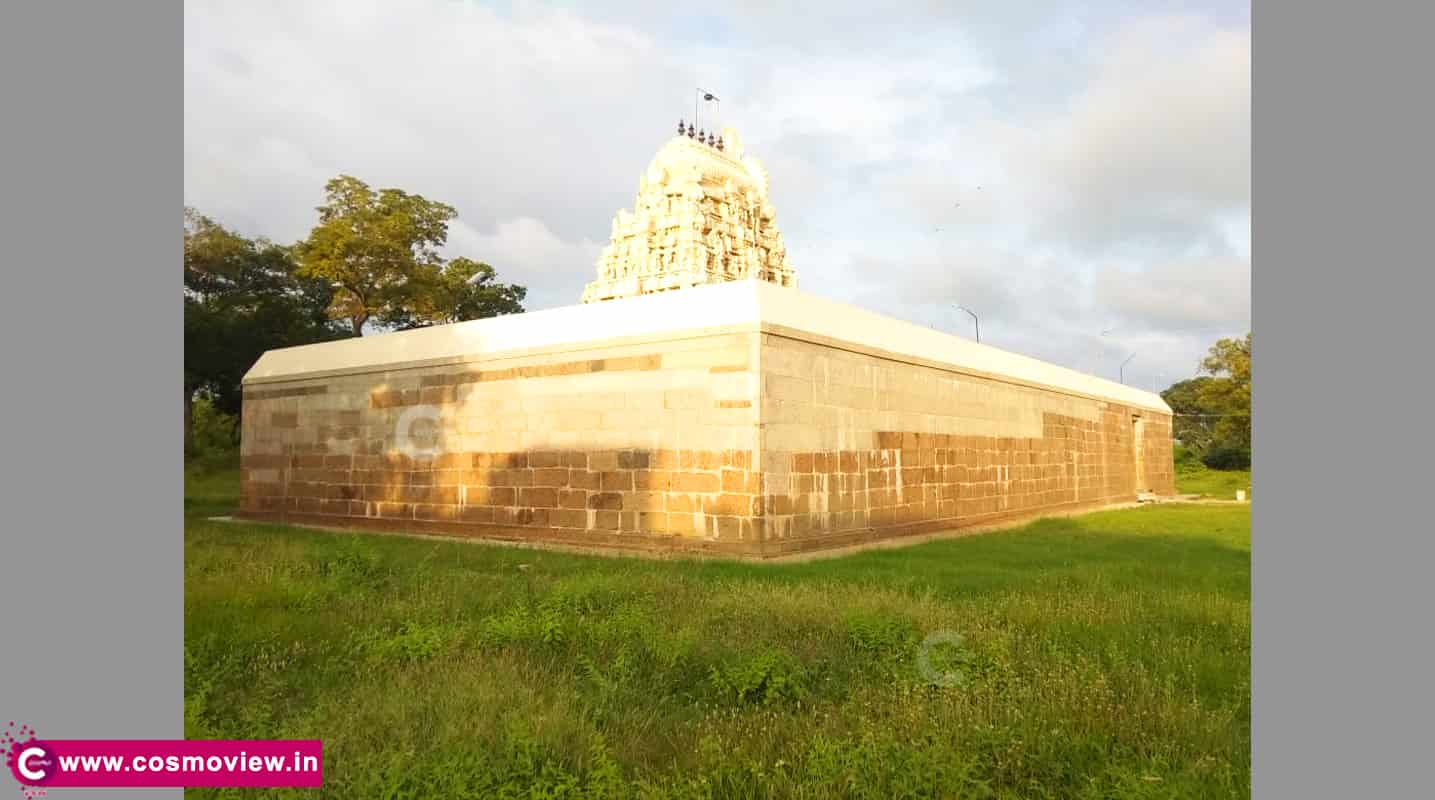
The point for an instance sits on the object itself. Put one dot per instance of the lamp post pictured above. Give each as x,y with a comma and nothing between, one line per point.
975,321
1122,370
1101,349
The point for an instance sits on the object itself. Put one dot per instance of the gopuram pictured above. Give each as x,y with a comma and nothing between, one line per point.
702,216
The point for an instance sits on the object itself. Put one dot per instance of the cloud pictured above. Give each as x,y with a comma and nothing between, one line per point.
1152,147
1158,143
1196,296
1110,142
532,255
498,115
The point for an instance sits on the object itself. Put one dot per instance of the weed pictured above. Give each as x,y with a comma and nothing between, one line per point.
767,677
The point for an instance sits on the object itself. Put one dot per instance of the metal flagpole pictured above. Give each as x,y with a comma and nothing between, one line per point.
704,94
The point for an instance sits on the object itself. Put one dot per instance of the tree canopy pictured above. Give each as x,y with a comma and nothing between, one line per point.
1213,410
373,261
465,289
241,297
1194,423
1229,362
380,251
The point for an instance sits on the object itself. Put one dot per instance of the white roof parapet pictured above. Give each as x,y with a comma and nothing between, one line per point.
736,305
839,321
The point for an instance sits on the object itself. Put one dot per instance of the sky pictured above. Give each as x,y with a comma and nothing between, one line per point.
1077,174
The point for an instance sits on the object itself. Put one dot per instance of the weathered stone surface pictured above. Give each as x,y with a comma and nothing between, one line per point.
802,467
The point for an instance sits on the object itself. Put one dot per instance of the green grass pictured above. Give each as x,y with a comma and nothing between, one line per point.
1221,484
1194,477
210,491
1106,656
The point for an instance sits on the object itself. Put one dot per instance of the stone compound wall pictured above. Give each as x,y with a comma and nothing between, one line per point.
858,447
744,443
653,441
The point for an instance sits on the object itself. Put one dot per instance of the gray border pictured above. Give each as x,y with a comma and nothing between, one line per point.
91,565
1341,650
91,562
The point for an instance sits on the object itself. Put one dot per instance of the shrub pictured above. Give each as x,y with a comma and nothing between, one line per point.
768,677
214,435
880,638
414,642
1185,457
1228,458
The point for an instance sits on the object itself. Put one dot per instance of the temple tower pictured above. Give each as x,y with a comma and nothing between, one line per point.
702,215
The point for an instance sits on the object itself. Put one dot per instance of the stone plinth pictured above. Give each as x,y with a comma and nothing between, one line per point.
741,418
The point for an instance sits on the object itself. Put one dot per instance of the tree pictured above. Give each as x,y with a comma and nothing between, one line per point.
1194,422
372,259
464,290
378,250
380,253
241,297
1229,391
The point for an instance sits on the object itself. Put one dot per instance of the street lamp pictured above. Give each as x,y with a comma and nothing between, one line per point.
1122,371
975,321
1101,348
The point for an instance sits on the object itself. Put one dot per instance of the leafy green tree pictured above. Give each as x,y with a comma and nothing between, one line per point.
1195,423
379,250
241,297
464,290
213,433
1229,391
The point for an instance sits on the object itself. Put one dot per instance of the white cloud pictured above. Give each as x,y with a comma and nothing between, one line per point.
1160,142
1198,296
554,270
1111,144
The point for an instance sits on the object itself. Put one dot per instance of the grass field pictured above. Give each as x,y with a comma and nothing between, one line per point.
1222,484
1102,656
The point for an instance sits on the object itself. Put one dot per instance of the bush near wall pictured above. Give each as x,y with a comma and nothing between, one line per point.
1227,458
1186,458
216,436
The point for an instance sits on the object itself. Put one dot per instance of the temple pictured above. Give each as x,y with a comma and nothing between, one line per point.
695,402
702,215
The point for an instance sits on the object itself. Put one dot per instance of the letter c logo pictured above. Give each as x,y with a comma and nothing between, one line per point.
22,763
404,431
